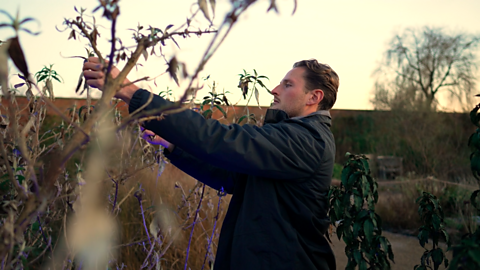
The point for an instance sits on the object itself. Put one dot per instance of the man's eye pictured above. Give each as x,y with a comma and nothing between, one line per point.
288,85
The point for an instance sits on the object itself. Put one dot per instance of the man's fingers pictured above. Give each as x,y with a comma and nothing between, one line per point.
95,83
92,66
149,132
92,74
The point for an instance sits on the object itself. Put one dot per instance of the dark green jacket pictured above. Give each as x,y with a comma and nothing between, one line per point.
279,175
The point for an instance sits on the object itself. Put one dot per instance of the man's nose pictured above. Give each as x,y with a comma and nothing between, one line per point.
275,90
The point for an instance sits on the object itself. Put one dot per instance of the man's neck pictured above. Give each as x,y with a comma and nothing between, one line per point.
307,111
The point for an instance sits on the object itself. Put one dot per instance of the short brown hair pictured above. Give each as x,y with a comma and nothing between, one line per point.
323,77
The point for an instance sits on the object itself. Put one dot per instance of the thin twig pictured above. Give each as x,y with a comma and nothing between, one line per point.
116,194
17,186
220,195
138,195
42,253
138,80
193,225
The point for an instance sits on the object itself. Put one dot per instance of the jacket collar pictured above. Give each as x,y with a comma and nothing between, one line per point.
274,116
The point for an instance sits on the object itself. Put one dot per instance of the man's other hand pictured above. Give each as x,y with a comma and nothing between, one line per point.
153,138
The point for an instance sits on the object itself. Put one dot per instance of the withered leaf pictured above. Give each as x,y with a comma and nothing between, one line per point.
184,71
212,5
72,35
226,101
94,35
173,68
16,54
79,84
204,8
273,6
257,96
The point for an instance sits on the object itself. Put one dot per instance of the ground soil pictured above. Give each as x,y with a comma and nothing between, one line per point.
406,249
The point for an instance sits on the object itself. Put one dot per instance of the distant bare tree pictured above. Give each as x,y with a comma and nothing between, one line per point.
421,63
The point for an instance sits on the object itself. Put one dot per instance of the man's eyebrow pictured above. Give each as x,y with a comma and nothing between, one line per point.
287,81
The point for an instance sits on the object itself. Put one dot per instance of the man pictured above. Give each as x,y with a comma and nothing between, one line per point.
279,174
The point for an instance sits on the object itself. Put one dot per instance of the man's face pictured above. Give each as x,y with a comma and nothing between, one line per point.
290,95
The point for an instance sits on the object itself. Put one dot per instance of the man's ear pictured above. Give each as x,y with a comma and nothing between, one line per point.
316,96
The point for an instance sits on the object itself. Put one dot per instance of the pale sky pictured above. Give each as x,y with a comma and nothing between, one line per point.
349,35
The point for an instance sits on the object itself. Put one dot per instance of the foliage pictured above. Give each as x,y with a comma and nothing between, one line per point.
432,217
215,101
244,84
466,255
420,64
47,74
352,206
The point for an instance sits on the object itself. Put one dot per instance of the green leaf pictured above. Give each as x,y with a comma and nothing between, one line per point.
363,213
368,229
241,119
423,236
357,256
356,229
5,185
340,231
365,164
473,199
362,265
436,222
20,178
41,78
220,109
437,256
351,180
57,79
358,200
80,110
345,175
365,186
207,114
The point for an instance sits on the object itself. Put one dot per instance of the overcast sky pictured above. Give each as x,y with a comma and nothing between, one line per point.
349,35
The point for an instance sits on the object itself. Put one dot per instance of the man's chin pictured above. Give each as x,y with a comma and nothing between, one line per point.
275,106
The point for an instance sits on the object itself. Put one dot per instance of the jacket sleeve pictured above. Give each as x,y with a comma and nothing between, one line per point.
277,151
214,177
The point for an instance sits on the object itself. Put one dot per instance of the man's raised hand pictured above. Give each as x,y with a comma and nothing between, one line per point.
93,73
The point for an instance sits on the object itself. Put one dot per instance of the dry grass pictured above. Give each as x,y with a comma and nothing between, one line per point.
165,199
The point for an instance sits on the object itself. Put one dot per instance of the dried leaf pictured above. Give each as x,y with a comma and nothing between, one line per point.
145,54
72,35
257,96
94,35
29,94
212,5
184,70
204,8
16,54
273,6
79,84
173,68
4,68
